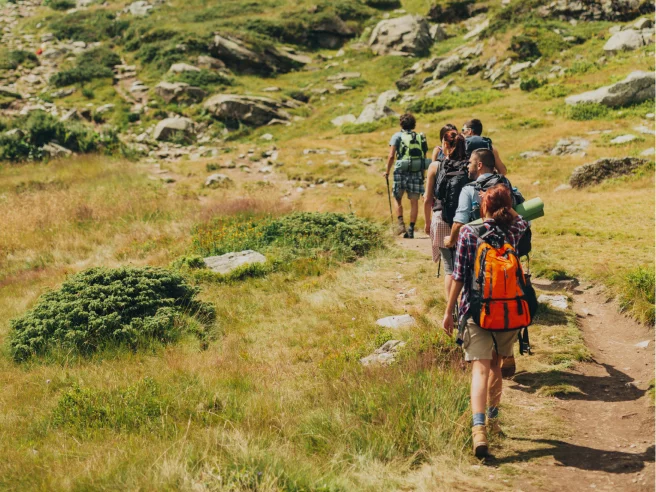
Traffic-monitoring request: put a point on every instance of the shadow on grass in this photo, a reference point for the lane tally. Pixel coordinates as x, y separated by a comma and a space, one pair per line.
548, 316
580, 457
616, 386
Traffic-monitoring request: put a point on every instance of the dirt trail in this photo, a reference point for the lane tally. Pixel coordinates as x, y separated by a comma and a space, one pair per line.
610, 424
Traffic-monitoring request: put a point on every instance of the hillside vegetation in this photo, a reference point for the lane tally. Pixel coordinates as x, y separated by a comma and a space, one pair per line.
116, 120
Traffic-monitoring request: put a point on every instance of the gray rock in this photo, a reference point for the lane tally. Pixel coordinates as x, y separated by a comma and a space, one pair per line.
624, 41
644, 344
236, 54
519, 67
169, 127
645, 130
569, 285
267, 136
229, 262
9, 92
648, 152
63, 92
439, 89
55, 150
218, 181
643, 23
437, 32
330, 32
622, 139
596, 172
341, 120
396, 322
577, 10
210, 62
251, 110
105, 108
385, 355
635, 88
342, 88
556, 301
571, 146
405, 82
447, 66
407, 35
179, 92
71, 115
183, 67
387, 97
531, 154
562, 187
139, 8
15, 132
374, 112
479, 28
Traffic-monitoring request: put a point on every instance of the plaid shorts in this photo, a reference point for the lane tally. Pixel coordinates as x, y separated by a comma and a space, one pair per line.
412, 183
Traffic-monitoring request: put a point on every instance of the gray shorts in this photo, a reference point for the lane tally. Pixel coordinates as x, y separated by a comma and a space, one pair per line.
447, 260
479, 344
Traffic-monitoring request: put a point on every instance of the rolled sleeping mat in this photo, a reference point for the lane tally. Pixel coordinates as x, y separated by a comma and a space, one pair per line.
530, 210
412, 165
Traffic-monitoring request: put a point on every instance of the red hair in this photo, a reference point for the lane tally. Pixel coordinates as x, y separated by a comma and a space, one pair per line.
497, 203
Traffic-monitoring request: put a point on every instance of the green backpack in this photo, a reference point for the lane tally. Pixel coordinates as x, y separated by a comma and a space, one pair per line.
411, 153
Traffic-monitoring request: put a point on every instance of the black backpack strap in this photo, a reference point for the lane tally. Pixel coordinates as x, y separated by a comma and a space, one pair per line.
524, 342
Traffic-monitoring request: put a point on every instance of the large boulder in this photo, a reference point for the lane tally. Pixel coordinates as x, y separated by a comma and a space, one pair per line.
447, 66
624, 41
183, 67
596, 172
228, 262
329, 32
250, 110
407, 35
169, 127
236, 54
179, 92
452, 11
595, 10
636, 88
376, 111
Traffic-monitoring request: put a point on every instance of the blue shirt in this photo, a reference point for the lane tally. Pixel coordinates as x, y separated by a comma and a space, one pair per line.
467, 200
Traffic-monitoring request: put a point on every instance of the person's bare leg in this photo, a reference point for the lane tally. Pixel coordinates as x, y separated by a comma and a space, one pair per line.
479, 385
399, 207
495, 382
414, 210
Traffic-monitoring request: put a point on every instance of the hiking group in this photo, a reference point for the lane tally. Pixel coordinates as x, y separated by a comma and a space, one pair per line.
479, 238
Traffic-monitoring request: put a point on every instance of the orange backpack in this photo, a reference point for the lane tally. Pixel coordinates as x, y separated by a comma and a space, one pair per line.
502, 296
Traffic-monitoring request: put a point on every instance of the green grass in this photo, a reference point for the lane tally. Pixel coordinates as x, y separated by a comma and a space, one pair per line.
637, 294
454, 100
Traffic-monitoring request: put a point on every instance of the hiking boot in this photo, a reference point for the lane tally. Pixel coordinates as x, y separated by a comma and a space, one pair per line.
494, 427
400, 228
508, 367
479, 441
410, 234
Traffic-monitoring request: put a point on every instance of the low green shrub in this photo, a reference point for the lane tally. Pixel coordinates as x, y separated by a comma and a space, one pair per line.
204, 79
637, 294
88, 25
383, 4
60, 4
101, 55
80, 75
531, 84
524, 124
355, 128
343, 236
587, 111
355, 83
452, 101
11, 60
525, 48
102, 307
552, 91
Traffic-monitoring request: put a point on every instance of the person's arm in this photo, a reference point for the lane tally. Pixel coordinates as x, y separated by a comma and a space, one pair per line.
498, 163
447, 322
390, 160
455, 230
436, 152
463, 212
429, 197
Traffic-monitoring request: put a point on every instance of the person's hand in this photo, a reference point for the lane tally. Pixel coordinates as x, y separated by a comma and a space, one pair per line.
447, 323
427, 229
385, 174
448, 243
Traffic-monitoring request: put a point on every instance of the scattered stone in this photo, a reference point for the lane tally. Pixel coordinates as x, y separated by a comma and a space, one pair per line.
478, 29
637, 87
342, 88
570, 146
385, 355
374, 112
575, 10
183, 67
648, 152
622, 139
644, 130
643, 23
341, 120
407, 35
63, 92
596, 172
210, 62
624, 41
447, 66
396, 322
229, 262
562, 187
437, 32
644, 344
105, 108
55, 150
169, 127
70, 115
556, 301
519, 67
267, 136
251, 110
569, 285
139, 8
179, 92
218, 181
271, 89
531, 154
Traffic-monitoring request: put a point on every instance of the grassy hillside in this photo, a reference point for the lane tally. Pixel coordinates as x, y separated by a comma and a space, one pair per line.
271, 394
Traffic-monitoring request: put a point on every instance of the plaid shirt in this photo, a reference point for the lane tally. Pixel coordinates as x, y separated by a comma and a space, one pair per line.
466, 256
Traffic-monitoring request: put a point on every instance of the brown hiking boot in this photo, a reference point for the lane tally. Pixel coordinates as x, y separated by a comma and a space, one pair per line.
400, 228
494, 427
479, 441
508, 367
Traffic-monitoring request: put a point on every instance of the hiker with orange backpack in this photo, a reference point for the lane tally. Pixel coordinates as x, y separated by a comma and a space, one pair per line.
497, 300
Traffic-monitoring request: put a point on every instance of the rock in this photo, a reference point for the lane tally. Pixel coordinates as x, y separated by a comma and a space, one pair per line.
405, 82
439, 89
105, 108
341, 120
183, 67
169, 127
396, 322
447, 66
577, 10
624, 41
204, 61
271, 89
556, 301
596, 172
637, 87
622, 139
218, 181
139, 8
437, 32
237, 55
9, 92
229, 262
179, 92
478, 29
569, 285
648, 152
570, 146
15, 132
449, 12
407, 35
267, 136
329, 32
387, 97
645, 130
251, 110
519, 67
343, 76
531, 154
63, 92
374, 112
71, 115
384, 355
54, 150
644, 344
644, 23
562, 187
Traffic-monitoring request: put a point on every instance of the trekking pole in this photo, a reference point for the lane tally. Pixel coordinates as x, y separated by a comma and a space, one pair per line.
389, 198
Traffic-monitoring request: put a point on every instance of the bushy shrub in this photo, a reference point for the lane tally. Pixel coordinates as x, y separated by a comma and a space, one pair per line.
104, 307
205, 79
304, 233
101, 55
637, 294
552, 91
80, 75
60, 4
451, 101
10, 60
525, 48
530, 84
587, 111
356, 128
88, 26
383, 4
